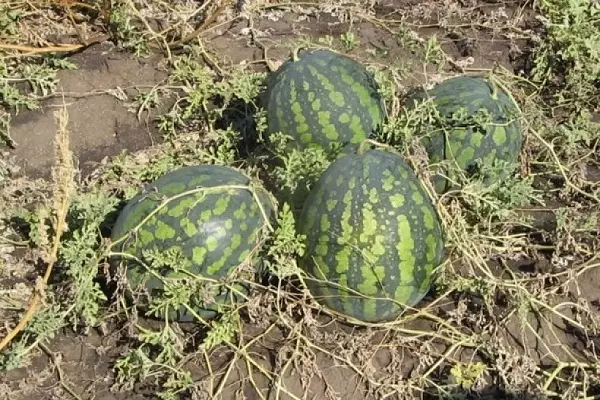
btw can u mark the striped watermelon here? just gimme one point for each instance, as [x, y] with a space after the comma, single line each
[373, 236]
[322, 98]
[468, 143]
[208, 215]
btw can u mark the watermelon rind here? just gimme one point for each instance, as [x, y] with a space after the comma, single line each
[212, 215]
[478, 127]
[324, 99]
[373, 237]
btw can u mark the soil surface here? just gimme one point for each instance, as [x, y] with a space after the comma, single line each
[103, 123]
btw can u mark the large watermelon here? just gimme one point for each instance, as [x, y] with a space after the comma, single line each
[322, 98]
[470, 143]
[208, 214]
[373, 236]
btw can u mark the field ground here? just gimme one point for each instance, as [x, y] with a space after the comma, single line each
[517, 313]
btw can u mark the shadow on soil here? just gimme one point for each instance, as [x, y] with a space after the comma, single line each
[102, 126]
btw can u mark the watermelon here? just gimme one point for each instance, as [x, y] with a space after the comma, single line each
[470, 143]
[204, 213]
[322, 99]
[373, 236]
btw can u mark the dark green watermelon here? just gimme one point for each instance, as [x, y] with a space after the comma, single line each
[322, 98]
[470, 143]
[373, 236]
[206, 214]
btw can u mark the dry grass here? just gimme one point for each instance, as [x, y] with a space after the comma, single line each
[513, 313]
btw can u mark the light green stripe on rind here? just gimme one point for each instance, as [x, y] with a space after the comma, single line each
[501, 140]
[335, 112]
[202, 224]
[374, 259]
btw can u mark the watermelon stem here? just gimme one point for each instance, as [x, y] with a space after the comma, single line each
[373, 143]
[496, 82]
[361, 146]
[295, 53]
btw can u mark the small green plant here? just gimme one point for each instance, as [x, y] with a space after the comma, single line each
[157, 358]
[125, 23]
[349, 41]
[22, 81]
[9, 20]
[466, 375]
[44, 326]
[568, 56]
[434, 53]
[285, 245]
[81, 250]
[297, 170]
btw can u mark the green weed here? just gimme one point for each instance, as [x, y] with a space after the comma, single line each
[22, 83]
[459, 340]
[567, 58]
